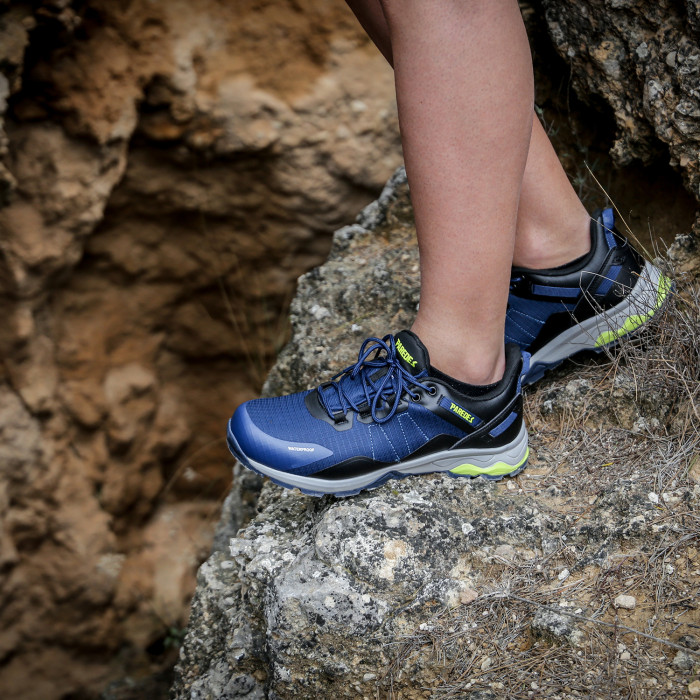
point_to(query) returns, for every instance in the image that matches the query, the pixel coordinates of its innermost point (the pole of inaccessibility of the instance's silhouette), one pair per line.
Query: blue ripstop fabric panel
(525, 318)
(502, 427)
(287, 418)
(568, 292)
(268, 449)
(450, 405)
(607, 282)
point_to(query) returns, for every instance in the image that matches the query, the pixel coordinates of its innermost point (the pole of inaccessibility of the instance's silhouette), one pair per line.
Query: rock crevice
(351, 597)
(167, 170)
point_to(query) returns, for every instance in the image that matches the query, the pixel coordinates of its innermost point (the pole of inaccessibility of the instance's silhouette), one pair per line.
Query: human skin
(487, 188)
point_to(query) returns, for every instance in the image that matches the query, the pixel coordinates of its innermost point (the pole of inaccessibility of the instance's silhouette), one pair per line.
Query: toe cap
(264, 449)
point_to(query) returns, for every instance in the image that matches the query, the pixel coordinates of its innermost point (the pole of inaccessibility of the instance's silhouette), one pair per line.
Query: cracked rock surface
(642, 59)
(342, 597)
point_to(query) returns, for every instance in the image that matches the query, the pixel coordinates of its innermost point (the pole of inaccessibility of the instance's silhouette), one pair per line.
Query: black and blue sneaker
(388, 416)
(588, 304)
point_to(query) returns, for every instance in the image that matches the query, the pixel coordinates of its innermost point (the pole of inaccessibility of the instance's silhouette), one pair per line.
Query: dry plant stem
(619, 215)
(602, 623)
(647, 431)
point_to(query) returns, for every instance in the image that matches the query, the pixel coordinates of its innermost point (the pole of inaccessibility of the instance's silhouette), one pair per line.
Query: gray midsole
(513, 453)
(640, 301)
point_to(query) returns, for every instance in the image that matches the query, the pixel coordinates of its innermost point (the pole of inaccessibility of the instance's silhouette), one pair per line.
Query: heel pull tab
(608, 220)
(524, 369)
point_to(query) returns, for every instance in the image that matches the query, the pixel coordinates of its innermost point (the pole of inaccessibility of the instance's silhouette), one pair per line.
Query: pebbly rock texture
(167, 170)
(642, 60)
(355, 597)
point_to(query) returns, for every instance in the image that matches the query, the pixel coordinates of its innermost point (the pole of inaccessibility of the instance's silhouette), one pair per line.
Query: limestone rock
(642, 61)
(626, 602)
(556, 626)
(351, 597)
(690, 641)
(684, 661)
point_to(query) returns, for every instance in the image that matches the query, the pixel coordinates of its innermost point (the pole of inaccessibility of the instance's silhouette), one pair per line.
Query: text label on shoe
(405, 354)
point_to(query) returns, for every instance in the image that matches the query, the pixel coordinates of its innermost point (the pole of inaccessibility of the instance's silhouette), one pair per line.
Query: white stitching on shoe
(398, 459)
(403, 432)
(410, 417)
(371, 442)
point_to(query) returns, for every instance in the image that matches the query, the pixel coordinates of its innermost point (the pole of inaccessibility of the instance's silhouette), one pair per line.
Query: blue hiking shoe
(588, 304)
(388, 416)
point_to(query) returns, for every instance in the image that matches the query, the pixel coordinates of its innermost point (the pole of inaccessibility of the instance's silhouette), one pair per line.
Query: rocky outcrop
(437, 584)
(167, 170)
(642, 61)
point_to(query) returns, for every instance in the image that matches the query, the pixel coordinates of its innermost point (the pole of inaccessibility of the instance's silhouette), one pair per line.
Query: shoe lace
(362, 384)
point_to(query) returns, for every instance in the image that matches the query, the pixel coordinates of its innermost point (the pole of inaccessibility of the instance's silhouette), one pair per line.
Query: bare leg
(552, 226)
(464, 90)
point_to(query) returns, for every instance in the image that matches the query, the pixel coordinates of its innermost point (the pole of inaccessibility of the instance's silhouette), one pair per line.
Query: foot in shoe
(588, 304)
(389, 415)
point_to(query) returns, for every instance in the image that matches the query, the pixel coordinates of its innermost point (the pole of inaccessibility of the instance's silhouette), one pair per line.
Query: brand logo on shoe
(465, 415)
(405, 354)
(300, 449)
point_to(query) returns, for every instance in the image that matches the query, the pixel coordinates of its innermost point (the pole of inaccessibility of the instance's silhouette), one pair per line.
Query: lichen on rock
(642, 60)
(350, 597)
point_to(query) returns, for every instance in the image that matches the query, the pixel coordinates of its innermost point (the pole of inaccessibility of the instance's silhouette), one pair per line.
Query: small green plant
(174, 637)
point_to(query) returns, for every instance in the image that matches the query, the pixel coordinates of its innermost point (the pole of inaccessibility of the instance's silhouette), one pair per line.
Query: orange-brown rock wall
(168, 168)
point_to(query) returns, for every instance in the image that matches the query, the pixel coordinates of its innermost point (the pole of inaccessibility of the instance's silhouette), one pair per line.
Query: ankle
(479, 373)
(544, 245)
(463, 358)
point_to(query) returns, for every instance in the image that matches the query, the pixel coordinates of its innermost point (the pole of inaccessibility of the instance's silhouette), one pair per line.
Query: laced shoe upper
(544, 303)
(377, 381)
(388, 405)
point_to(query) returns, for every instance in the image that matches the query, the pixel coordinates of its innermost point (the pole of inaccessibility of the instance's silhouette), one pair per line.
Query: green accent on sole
(498, 469)
(633, 322)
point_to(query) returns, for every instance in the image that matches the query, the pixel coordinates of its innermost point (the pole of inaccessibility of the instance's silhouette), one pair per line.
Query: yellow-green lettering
(461, 413)
(405, 354)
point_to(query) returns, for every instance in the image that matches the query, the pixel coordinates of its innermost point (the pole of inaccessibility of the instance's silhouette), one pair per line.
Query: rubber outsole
(604, 331)
(511, 460)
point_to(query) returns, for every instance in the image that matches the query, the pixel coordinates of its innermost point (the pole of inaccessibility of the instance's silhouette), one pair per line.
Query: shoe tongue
(412, 354)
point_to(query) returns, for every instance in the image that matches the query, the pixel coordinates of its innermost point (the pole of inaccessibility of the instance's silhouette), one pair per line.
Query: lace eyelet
(415, 397)
(432, 390)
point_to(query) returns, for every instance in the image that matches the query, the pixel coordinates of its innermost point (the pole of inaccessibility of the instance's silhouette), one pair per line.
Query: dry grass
(633, 415)
(637, 407)
(489, 645)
